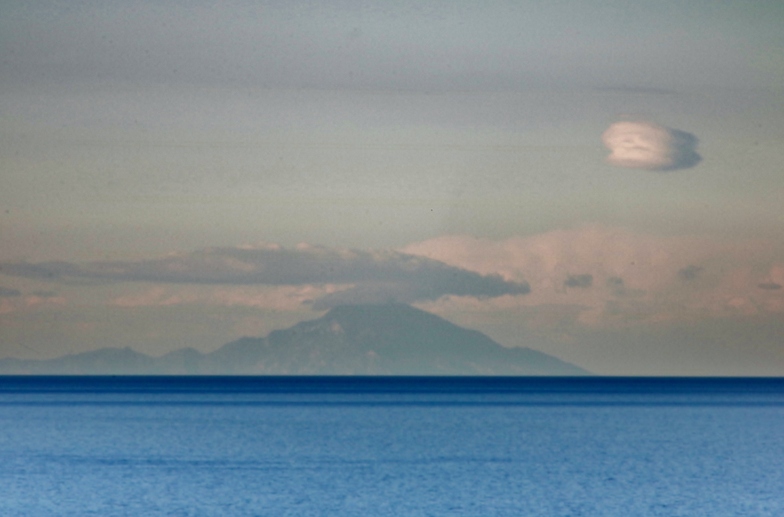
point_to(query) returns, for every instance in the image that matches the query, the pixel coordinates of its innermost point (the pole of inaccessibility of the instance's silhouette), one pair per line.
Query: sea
(391, 446)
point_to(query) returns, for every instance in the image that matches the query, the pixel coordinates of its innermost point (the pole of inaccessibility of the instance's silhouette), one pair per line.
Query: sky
(597, 180)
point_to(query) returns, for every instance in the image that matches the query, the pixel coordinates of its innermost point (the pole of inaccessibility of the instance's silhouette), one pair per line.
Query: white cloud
(645, 145)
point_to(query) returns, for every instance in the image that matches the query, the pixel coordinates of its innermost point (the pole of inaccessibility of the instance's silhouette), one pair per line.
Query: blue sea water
(72, 446)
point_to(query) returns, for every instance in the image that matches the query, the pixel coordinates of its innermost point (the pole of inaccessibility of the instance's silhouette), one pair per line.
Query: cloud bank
(369, 276)
(649, 146)
(609, 276)
(7, 292)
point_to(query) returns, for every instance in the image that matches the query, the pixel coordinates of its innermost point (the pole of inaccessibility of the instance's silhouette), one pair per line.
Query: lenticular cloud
(645, 145)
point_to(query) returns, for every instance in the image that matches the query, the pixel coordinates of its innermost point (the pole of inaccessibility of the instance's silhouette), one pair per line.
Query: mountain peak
(380, 316)
(398, 339)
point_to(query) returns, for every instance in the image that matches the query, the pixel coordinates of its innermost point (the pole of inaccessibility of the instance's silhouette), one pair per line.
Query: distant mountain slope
(392, 339)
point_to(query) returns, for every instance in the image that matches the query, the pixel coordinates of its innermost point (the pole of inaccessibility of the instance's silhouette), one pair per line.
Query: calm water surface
(391, 446)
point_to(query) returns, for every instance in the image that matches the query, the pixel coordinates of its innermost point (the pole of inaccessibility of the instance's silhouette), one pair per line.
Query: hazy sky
(602, 181)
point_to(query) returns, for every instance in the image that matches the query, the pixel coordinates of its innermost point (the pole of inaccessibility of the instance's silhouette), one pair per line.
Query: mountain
(392, 339)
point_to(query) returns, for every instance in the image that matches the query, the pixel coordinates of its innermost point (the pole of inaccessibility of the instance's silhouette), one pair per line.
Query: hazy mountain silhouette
(392, 339)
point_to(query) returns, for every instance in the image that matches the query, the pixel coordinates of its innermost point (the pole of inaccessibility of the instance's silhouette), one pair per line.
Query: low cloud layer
(690, 272)
(624, 277)
(580, 281)
(649, 146)
(7, 292)
(370, 276)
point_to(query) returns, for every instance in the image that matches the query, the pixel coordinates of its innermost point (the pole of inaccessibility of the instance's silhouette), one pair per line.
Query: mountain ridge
(375, 339)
